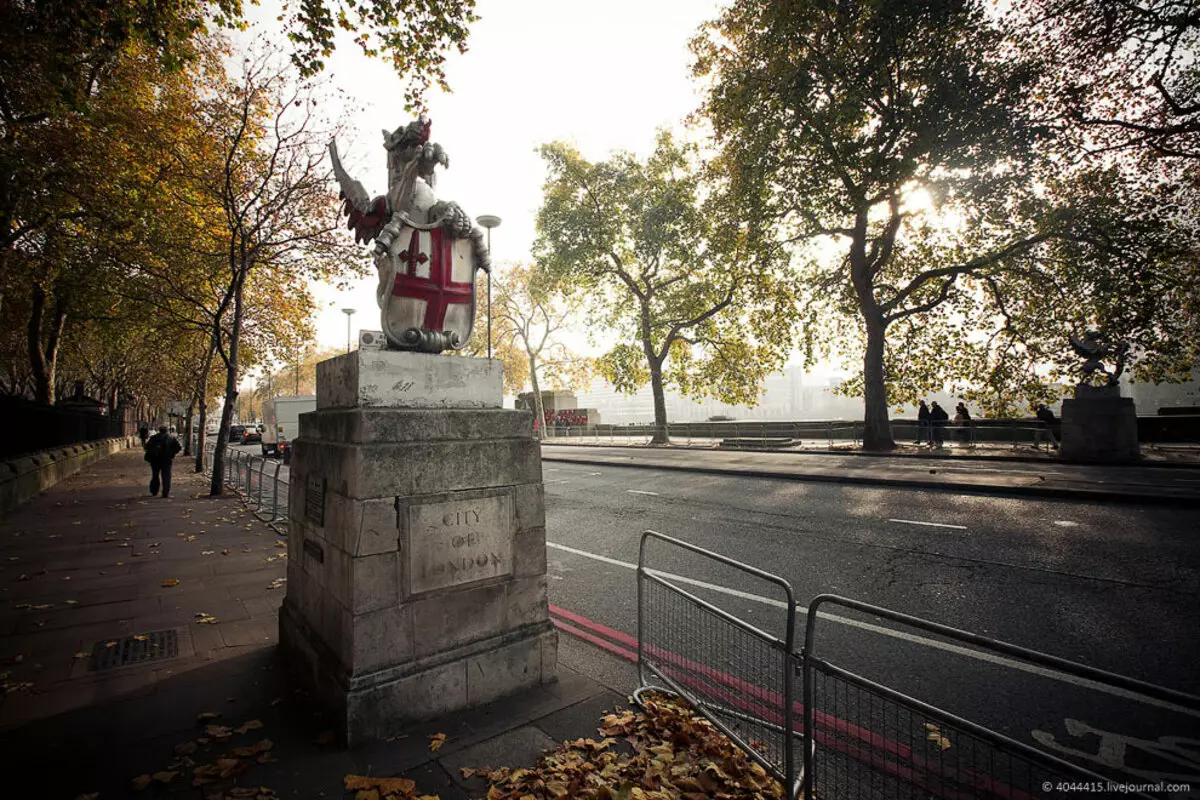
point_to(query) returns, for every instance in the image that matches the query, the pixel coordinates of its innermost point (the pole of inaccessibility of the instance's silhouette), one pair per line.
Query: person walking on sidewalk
(923, 424)
(161, 449)
(1051, 422)
(938, 419)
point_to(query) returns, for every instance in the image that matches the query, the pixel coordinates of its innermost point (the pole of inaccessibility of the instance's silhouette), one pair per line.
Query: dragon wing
(366, 216)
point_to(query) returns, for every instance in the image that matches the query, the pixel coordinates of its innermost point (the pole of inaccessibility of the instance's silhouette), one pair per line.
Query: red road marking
(822, 720)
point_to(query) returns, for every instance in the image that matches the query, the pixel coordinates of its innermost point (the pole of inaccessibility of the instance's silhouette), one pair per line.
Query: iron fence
(802, 435)
(262, 482)
(848, 736)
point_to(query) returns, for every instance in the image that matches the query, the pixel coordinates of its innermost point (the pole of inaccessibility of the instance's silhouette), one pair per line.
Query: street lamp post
(349, 312)
(489, 221)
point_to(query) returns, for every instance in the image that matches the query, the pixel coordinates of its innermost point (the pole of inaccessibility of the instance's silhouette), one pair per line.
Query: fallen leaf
(207, 715)
(206, 619)
(71, 602)
(140, 637)
(170, 582)
(384, 785)
(186, 748)
(165, 777)
(436, 741)
(141, 782)
(110, 644)
(250, 725)
(81, 654)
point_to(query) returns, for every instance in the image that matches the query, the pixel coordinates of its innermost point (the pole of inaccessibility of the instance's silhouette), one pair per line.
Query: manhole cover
(136, 649)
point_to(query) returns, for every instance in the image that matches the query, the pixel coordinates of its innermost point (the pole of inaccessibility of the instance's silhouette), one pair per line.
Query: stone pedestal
(417, 555)
(1099, 426)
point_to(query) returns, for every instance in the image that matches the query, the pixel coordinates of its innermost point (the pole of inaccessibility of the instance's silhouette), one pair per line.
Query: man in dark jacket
(938, 418)
(161, 449)
(923, 424)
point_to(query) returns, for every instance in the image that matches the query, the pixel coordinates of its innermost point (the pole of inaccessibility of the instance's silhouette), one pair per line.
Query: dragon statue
(1094, 347)
(426, 250)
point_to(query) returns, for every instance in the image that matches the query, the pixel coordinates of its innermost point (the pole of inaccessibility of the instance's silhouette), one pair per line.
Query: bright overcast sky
(603, 75)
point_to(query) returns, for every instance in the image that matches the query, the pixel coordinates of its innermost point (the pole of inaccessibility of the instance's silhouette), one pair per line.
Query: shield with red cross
(430, 302)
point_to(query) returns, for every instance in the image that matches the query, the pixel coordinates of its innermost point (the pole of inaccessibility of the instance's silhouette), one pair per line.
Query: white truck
(281, 422)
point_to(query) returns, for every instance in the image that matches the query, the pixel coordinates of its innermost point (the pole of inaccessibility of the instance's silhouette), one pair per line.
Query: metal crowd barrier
(845, 736)
(261, 482)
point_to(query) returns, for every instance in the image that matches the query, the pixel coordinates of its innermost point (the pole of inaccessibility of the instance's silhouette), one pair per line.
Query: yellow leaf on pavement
(170, 582)
(164, 776)
(367, 794)
(141, 782)
(81, 654)
(207, 715)
(436, 741)
(250, 725)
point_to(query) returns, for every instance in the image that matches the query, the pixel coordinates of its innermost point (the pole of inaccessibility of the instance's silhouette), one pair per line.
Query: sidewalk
(1177, 484)
(95, 560)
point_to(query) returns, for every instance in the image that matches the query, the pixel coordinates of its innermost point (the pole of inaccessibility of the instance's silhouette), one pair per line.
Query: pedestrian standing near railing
(923, 431)
(962, 419)
(937, 420)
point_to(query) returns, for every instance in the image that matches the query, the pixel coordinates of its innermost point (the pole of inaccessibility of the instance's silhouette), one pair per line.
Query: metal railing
(848, 736)
(262, 483)
(795, 436)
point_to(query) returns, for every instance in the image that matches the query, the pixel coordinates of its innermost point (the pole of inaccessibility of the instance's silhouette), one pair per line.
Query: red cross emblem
(438, 290)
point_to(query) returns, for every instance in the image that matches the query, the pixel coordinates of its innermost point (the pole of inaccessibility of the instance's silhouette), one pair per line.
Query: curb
(1049, 492)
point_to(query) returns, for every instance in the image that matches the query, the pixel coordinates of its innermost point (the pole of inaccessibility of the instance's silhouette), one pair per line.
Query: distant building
(787, 395)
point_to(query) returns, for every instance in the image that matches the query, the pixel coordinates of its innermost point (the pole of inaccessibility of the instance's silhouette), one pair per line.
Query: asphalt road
(1112, 586)
(1115, 587)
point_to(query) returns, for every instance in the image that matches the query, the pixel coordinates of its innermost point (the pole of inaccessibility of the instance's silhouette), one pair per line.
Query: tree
(1121, 74)
(274, 188)
(841, 118)
(665, 262)
(530, 314)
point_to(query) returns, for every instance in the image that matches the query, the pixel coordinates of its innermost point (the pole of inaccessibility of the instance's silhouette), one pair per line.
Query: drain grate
(136, 649)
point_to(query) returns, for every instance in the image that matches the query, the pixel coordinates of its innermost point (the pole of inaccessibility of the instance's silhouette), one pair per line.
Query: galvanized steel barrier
(845, 736)
(262, 482)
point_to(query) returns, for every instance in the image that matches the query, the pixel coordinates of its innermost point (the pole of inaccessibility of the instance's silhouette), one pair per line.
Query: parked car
(252, 435)
(236, 433)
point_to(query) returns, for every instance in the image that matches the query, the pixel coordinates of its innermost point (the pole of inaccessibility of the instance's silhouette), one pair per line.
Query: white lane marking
(1066, 523)
(551, 469)
(902, 635)
(594, 473)
(639, 491)
(929, 524)
(563, 480)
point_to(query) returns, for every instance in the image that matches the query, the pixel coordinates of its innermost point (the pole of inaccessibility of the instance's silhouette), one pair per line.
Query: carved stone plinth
(1099, 426)
(417, 553)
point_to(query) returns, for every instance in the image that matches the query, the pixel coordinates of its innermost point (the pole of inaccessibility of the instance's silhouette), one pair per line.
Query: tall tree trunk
(187, 428)
(877, 429)
(44, 360)
(231, 394)
(538, 409)
(660, 403)
(202, 399)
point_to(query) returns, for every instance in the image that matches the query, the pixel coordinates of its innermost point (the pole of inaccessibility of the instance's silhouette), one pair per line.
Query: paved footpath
(95, 560)
(1177, 483)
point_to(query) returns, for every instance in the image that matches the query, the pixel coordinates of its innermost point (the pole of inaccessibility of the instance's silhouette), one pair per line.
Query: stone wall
(25, 477)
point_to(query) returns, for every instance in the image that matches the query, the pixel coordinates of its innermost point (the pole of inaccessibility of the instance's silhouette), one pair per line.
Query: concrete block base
(1099, 429)
(417, 543)
(377, 705)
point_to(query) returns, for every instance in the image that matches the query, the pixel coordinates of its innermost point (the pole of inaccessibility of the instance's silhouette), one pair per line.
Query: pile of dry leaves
(672, 753)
